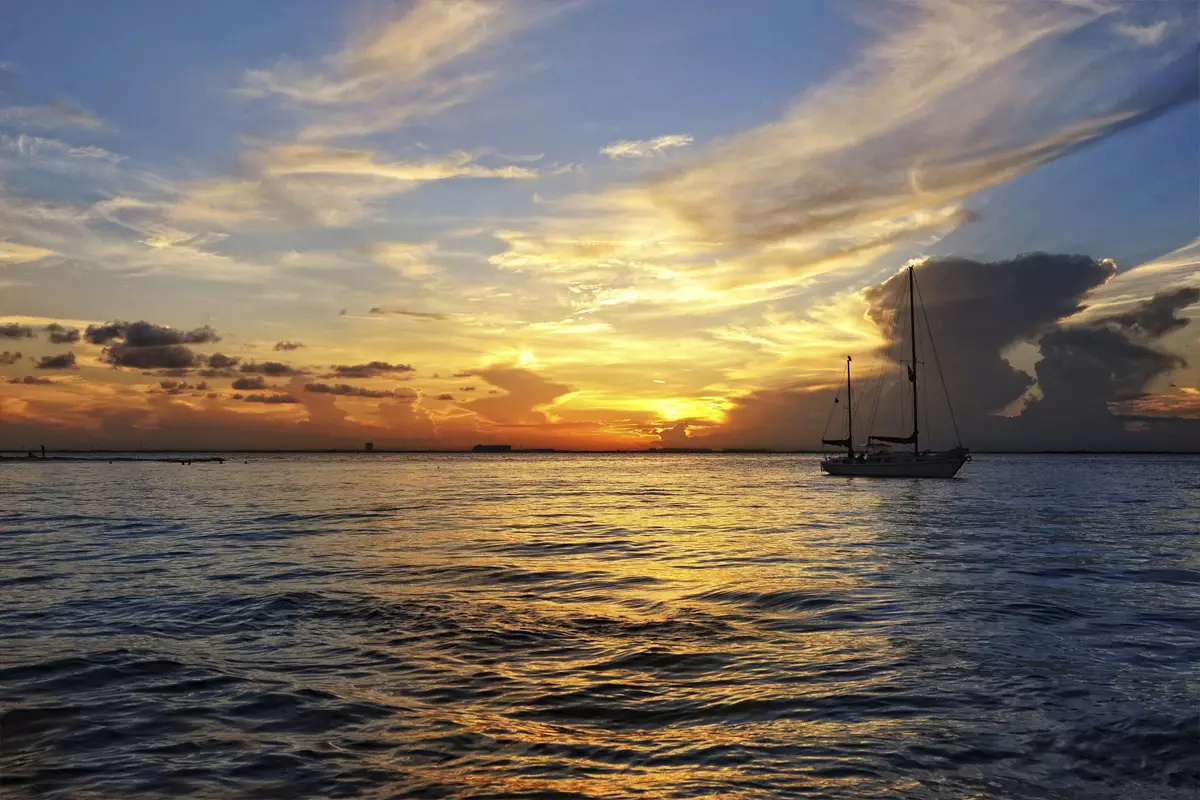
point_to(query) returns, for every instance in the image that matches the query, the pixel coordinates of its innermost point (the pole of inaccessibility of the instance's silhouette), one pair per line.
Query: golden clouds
(299, 184)
(15, 253)
(401, 70)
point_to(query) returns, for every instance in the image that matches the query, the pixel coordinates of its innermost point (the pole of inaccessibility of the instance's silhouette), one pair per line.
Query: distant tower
(370, 446)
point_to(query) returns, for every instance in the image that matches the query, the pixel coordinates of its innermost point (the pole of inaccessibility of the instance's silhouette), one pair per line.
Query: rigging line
(937, 362)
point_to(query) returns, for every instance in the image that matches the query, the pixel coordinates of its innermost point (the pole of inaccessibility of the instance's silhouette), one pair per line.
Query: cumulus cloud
(13, 330)
(222, 361)
(170, 356)
(286, 346)
(61, 361)
(257, 382)
(268, 398)
(31, 380)
(174, 387)
(144, 345)
(146, 334)
(977, 309)
(8, 358)
(445, 397)
(645, 148)
(219, 365)
(348, 390)
(59, 334)
(272, 368)
(368, 370)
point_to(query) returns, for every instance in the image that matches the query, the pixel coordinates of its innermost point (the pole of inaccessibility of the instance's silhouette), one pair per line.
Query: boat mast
(912, 373)
(849, 412)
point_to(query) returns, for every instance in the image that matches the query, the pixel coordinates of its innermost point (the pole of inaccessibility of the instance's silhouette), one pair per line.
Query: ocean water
(600, 626)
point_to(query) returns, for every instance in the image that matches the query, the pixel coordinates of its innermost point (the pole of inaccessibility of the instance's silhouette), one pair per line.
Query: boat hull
(933, 466)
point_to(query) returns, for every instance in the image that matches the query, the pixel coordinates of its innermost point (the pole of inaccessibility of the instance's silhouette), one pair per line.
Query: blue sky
(594, 192)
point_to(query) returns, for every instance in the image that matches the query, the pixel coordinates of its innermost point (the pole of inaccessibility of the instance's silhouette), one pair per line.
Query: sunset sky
(592, 224)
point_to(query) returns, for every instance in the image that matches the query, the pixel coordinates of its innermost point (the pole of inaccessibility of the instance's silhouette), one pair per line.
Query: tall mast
(849, 411)
(912, 374)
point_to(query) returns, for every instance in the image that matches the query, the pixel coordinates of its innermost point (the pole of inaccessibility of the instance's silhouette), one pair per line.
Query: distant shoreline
(90, 455)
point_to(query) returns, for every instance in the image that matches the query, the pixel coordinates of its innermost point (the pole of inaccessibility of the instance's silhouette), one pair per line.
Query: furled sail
(836, 442)
(912, 437)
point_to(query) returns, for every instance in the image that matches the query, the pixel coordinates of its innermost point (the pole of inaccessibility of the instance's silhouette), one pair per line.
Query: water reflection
(595, 626)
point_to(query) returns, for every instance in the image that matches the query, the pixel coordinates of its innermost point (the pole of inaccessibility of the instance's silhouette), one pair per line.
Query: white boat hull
(926, 465)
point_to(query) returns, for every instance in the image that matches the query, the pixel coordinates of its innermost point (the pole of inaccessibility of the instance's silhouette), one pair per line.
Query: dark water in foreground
(599, 626)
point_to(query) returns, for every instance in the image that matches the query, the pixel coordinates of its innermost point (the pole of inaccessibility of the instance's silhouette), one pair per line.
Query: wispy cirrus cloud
(950, 99)
(953, 98)
(15, 253)
(51, 116)
(645, 148)
(302, 184)
(406, 313)
(404, 69)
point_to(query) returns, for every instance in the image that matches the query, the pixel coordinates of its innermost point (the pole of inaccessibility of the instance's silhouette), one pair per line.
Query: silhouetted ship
(878, 459)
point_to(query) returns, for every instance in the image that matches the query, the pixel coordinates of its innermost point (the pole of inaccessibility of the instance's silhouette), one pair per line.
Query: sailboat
(878, 459)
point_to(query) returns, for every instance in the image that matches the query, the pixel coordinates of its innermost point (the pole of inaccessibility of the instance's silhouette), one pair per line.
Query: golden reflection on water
(606, 625)
(544, 547)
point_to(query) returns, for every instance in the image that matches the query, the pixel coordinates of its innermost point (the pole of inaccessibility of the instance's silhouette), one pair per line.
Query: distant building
(492, 448)
(370, 446)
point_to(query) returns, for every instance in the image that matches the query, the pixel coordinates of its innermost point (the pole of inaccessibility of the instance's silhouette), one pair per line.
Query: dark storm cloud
(147, 334)
(1098, 363)
(12, 330)
(9, 358)
(285, 346)
(1088, 365)
(272, 368)
(258, 382)
(1158, 316)
(269, 398)
(976, 309)
(406, 313)
(59, 334)
(61, 361)
(32, 380)
(347, 390)
(369, 370)
(172, 357)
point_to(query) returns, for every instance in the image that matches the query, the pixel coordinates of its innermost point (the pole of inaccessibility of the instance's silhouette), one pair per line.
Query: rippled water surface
(599, 626)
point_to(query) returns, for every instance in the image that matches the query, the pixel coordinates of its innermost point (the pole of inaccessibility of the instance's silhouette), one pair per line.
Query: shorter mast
(848, 442)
